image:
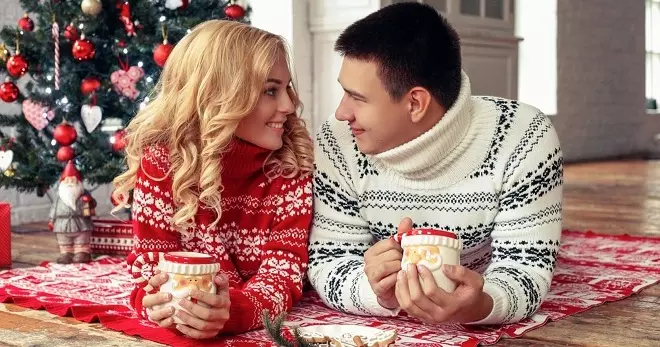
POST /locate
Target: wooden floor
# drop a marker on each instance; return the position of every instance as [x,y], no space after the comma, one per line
[608,197]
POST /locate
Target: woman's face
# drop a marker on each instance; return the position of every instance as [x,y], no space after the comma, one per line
[264,127]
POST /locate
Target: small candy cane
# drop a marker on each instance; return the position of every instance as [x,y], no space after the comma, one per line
[56,38]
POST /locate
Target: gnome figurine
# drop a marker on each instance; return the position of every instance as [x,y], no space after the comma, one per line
[71,217]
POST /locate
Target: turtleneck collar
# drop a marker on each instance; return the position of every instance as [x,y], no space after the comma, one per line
[243,159]
[464,127]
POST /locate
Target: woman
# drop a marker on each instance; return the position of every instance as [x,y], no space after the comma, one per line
[220,163]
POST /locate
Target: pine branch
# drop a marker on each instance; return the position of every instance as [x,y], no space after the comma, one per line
[274,330]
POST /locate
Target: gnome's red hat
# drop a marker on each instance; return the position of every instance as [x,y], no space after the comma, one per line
[70,171]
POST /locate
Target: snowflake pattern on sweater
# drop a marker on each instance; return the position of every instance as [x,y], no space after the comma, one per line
[489,171]
[260,241]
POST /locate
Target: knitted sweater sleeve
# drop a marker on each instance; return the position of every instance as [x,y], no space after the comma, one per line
[525,237]
[153,208]
[340,235]
[278,284]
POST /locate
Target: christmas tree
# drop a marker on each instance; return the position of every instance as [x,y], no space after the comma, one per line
[91,65]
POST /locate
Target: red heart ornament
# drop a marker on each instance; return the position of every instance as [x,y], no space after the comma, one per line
[37,114]
[124,81]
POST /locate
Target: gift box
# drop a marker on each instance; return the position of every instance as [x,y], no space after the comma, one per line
[112,237]
[5,234]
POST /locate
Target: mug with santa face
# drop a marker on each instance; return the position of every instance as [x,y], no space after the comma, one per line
[186,271]
[431,248]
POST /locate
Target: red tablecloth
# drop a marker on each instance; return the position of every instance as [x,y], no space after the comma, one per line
[592,269]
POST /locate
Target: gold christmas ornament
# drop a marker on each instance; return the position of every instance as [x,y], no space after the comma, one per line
[4,53]
[9,172]
[91,7]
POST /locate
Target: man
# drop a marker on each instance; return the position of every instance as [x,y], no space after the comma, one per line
[409,146]
[71,217]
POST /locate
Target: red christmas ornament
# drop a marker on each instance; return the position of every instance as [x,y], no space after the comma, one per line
[89,85]
[112,199]
[71,33]
[83,49]
[65,153]
[26,23]
[121,44]
[65,134]
[125,17]
[17,65]
[234,11]
[162,52]
[118,140]
[8,92]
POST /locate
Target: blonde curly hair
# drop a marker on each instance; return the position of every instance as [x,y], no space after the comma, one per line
[213,79]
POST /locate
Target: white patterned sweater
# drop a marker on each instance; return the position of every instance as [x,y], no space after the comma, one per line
[490,171]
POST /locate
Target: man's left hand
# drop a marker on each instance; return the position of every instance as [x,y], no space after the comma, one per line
[424,300]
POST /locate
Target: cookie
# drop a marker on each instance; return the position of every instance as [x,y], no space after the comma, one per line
[383,339]
[313,337]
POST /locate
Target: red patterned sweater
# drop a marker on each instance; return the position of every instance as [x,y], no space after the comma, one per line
[260,241]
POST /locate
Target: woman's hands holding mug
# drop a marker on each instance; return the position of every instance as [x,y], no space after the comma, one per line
[202,322]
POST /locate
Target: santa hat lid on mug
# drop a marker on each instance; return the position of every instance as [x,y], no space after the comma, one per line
[188,263]
[70,171]
[431,237]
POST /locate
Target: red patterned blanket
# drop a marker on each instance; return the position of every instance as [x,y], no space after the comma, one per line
[592,269]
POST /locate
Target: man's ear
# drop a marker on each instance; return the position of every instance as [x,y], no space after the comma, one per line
[419,101]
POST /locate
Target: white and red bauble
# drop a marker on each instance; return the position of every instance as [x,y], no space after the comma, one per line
[26,23]
[8,91]
[17,65]
[83,49]
[65,134]
[65,153]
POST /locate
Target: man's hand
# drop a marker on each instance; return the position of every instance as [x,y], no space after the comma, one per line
[425,301]
[206,322]
[381,263]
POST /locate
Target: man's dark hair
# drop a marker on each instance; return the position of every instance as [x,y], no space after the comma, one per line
[413,45]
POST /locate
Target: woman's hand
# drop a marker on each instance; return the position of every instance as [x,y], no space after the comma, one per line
[205,322]
[163,316]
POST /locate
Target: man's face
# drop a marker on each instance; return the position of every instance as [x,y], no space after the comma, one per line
[377,122]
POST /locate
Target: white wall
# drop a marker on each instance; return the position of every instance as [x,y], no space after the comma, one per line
[536,24]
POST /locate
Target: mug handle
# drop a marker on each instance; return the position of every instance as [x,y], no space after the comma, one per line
[144,266]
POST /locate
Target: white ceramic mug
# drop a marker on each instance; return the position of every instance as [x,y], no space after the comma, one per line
[431,248]
[185,270]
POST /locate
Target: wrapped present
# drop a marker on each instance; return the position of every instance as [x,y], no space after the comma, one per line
[5,234]
[112,237]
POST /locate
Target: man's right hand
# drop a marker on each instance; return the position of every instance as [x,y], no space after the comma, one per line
[382,262]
